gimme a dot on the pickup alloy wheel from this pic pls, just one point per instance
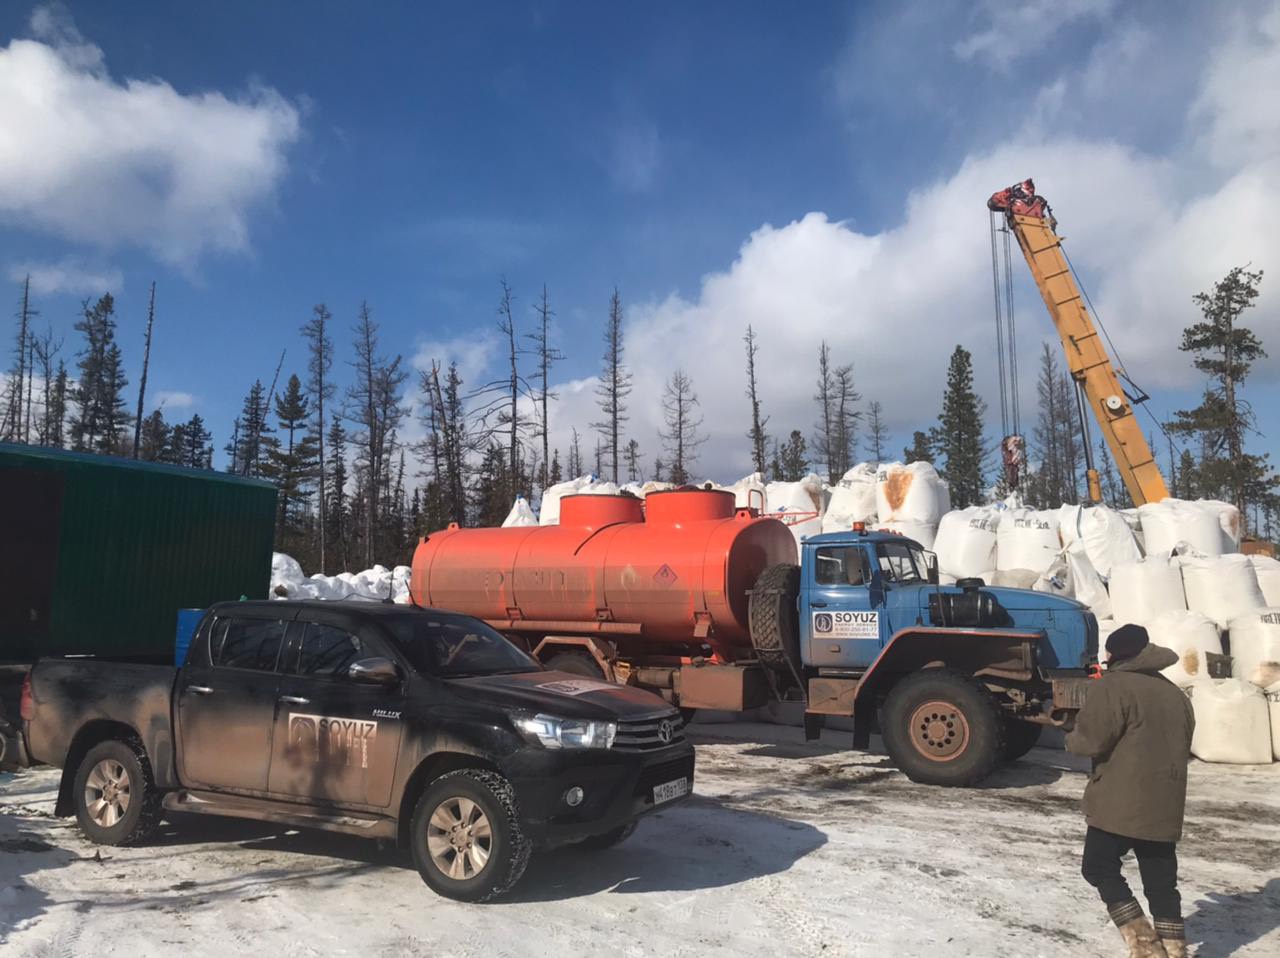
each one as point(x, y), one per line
point(466, 838)
point(115, 797)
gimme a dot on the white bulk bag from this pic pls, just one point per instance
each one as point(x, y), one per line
point(1232, 723)
point(1140, 591)
point(400, 576)
point(1027, 539)
point(1255, 647)
point(1228, 517)
point(1105, 628)
point(520, 515)
point(853, 499)
point(1013, 578)
point(287, 580)
point(798, 504)
point(1170, 521)
point(331, 587)
point(966, 541)
point(1086, 585)
point(1222, 587)
point(922, 532)
point(748, 491)
point(1273, 706)
point(1106, 537)
point(915, 492)
point(1192, 635)
point(549, 510)
point(1268, 570)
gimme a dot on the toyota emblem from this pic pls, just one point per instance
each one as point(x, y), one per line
point(665, 729)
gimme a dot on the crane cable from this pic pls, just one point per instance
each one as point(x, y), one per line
point(1000, 364)
point(1116, 353)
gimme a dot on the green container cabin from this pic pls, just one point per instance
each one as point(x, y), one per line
point(98, 554)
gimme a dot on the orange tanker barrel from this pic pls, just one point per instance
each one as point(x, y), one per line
point(595, 512)
point(683, 506)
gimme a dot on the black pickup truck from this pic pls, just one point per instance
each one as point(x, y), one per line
point(425, 727)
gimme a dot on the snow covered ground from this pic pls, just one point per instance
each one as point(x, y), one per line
point(785, 849)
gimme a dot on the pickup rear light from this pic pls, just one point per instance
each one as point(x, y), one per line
point(27, 705)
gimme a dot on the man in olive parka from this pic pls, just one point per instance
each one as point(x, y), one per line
point(1136, 725)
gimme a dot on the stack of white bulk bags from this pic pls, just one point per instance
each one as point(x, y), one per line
point(1199, 525)
point(853, 499)
point(911, 499)
point(520, 515)
point(1222, 587)
point(1232, 723)
point(1193, 636)
point(799, 504)
point(1106, 536)
point(1273, 706)
point(966, 542)
point(1255, 647)
point(1027, 539)
point(1140, 591)
point(1268, 570)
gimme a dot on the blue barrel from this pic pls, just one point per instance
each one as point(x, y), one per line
point(188, 619)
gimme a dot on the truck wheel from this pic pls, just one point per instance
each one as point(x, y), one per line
point(115, 796)
point(610, 838)
point(575, 663)
point(775, 620)
point(943, 727)
point(467, 841)
point(1020, 738)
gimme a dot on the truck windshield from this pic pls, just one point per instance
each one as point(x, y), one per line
point(900, 562)
point(454, 646)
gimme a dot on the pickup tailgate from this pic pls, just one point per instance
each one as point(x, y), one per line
point(69, 694)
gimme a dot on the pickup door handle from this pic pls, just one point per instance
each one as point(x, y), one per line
point(200, 689)
point(295, 700)
point(818, 605)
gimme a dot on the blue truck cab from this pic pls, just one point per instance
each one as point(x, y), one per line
point(956, 678)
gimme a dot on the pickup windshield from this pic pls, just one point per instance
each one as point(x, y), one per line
point(900, 562)
point(454, 646)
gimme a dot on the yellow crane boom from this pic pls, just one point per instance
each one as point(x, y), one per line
point(1090, 366)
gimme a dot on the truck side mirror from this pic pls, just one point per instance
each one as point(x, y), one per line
point(931, 563)
point(374, 671)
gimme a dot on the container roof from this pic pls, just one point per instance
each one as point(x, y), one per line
point(96, 460)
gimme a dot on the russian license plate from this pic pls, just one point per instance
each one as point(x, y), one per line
point(669, 790)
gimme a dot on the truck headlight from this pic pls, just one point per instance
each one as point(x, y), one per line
point(551, 731)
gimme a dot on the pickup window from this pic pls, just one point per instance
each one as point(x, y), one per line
point(247, 643)
point(456, 646)
point(328, 651)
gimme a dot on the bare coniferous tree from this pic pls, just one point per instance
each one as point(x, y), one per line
point(615, 386)
point(320, 388)
point(146, 363)
point(633, 461)
point(17, 384)
point(877, 433)
point(498, 409)
point(759, 439)
point(681, 438)
point(45, 351)
point(844, 420)
point(575, 454)
point(825, 398)
point(548, 356)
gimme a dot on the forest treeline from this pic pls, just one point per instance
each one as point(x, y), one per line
point(354, 491)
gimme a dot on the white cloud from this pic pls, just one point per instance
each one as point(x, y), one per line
point(171, 400)
point(473, 355)
point(1016, 30)
point(134, 162)
point(1146, 231)
point(636, 156)
point(68, 275)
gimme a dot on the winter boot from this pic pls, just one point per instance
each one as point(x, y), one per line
point(1173, 935)
point(1136, 930)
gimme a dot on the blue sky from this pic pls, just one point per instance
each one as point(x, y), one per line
point(816, 169)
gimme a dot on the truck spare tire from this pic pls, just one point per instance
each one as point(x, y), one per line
point(775, 619)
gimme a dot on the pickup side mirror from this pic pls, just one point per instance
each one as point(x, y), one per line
point(931, 563)
point(374, 671)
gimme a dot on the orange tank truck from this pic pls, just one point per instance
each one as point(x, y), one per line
point(649, 592)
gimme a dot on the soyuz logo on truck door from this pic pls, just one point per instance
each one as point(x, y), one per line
point(846, 625)
point(321, 740)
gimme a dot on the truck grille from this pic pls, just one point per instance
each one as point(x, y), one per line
point(645, 735)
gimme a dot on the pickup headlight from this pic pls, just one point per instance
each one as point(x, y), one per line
point(551, 731)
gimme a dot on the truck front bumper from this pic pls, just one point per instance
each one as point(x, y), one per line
point(617, 787)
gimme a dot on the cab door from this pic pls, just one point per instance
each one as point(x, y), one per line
point(337, 739)
point(226, 703)
point(841, 607)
